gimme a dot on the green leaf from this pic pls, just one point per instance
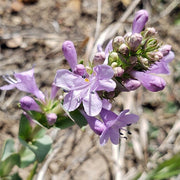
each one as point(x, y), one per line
point(64, 122)
point(27, 157)
point(7, 165)
point(8, 149)
point(78, 118)
point(40, 147)
point(25, 129)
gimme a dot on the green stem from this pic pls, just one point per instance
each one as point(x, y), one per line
point(33, 171)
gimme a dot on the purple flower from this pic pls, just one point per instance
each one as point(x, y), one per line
point(112, 125)
point(29, 104)
point(150, 82)
point(162, 66)
point(131, 84)
point(24, 81)
point(70, 54)
point(84, 89)
point(140, 19)
point(51, 118)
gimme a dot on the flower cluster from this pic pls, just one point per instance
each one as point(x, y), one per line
point(139, 54)
point(127, 63)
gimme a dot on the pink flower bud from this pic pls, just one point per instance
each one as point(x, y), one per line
point(99, 58)
point(118, 71)
point(51, 118)
point(134, 41)
point(29, 104)
point(123, 49)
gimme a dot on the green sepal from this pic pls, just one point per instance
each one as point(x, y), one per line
point(78, 118)
point(63, 122)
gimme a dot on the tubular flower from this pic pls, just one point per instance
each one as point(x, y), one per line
point(84, 89)
point(112, 125)
point(24, 81)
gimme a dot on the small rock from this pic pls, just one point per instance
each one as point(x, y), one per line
point(16, 6)
point(15, 42)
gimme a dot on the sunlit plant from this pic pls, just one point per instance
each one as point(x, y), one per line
point(83, 94)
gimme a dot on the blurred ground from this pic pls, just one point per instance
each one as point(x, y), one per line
point(31, 34)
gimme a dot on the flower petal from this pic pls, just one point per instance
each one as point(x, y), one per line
point(162, 66)
point(106, 104)
point(108, 48)
point(123, 120)
point(150, 82)
point(104, 137)
point(26, 82)
point(68, 80)
point(106, 85)
point(103, 71)
point(96, 125)
point(7, 87)
point(72, 100)
point(114, 135)
point(108, 117)
point(92, 104)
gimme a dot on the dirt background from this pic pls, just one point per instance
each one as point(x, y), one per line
point(31, 34)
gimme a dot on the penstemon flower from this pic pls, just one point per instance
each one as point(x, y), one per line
point(83, 87)
point(46, 106)
point(23, 81)
point(112, 125)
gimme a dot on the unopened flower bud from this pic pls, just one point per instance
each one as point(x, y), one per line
point(144, 62)
point(165, 49)
point(117, 41)
point(134, 41)
point(155, 56)
point(140, 19)
point(29, 104)
point(133, 59)
point(150, 31)
point(113, 57)
point(70, 53)
point(114, 64)
point(99, 58)
point(80, 70)
point(131, 84)
point(51, 118)
point(123, 49)
point(118, 71)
